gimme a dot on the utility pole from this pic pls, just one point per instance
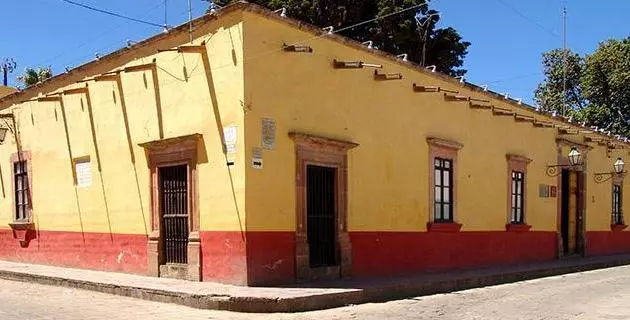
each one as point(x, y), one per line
point(564, 60)
point(190, 26)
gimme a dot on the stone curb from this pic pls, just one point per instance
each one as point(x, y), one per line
point(317, 301)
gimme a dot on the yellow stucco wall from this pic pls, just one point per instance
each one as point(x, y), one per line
point(599, 199)
point(388, 171)
point(118, 199)
point(388, 182)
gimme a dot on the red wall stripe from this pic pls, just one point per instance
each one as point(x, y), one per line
point(607, 242)
point(97, 251)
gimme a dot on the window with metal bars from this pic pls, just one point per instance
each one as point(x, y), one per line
point(617, 213)
point(517, 197)
point(443, 190)
point(20, 174)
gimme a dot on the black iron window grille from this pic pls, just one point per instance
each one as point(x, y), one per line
point(174, 207)
point(617, 213)
point(443, 190)
point(517, 197)
point(20, 174)
point(320, 202)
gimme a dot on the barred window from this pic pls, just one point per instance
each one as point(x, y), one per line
point(443, 200)
point(20, 173)
point(617, 214)
point(517, 197)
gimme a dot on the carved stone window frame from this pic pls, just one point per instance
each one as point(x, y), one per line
point(165, 153)
point(23, 230)
point(517, 163)
point(444, 149)
point(17, 157)
point(321, 151)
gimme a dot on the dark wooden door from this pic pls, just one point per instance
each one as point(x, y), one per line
point(321, 216)
point(571, 213)
point(174, 213)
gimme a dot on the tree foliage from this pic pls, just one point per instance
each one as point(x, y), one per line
point(33, 76)
point(549, 94)
point(598, 86)
point(401, 33)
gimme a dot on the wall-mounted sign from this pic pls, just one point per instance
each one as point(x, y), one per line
point(230, 136)
point(83, 172)
point(547, 191)
point(553, 191)
point(543, 191)
point(257, 161)
point(268, 127)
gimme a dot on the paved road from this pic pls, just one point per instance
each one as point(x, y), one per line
point(601, 294)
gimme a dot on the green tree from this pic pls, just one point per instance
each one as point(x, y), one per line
point(409, 32)
point(33, 76)
point(606, 86)
point(598, 86)
point(549, 94)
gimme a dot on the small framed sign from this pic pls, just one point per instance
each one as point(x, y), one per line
point(543, 191)
point(257, 160)
point(83, 172)
point(553, 191)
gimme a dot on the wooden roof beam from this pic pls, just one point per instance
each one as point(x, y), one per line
point(543, 124)
point(417, 88)
point(592, 139)
point(478, 105)
point(502, 111)
point(523, 118)
point(455, 97)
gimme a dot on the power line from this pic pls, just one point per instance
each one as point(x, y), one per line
point(381, 17)
point(528, 75)
point(113, 14)
point(539, 25)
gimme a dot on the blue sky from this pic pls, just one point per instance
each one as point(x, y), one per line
point(508, 36)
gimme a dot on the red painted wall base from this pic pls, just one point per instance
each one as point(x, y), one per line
point(223, 257)
point(395, 253)
point(223, 253)
point(607, 242)
point(269, 257)
point(97, 251)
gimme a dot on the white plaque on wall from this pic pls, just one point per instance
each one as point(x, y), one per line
point(83, 171)
point(230, 136)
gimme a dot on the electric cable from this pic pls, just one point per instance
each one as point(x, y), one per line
point(113, 14)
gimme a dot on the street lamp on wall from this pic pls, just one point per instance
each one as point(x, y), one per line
point(618, 171)
point(575, 160)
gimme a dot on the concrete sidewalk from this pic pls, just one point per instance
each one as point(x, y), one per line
point(321, 295)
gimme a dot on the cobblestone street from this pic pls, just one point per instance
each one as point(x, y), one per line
point(600, 294)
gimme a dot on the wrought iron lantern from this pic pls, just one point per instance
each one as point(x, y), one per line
point(619, 164)
point(575, 157)
point(618, 170)
point(575, 160)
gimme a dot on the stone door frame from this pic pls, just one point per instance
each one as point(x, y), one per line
point(165, 153)
point(581, 241)
point(326, 152)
